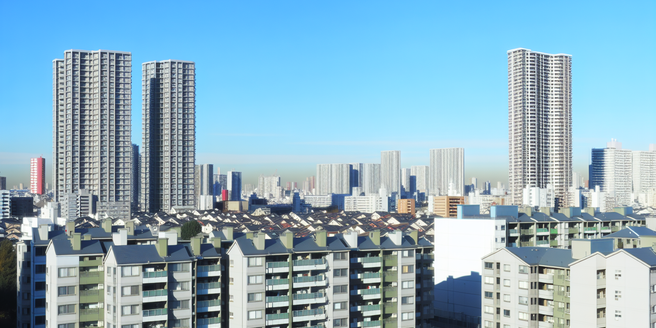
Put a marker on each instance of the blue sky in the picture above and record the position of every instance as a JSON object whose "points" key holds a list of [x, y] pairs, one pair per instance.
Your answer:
{"points": [[285, 85]]}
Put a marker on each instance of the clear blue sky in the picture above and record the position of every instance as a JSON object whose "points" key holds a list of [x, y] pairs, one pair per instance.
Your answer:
{"points": [[285, 85]]}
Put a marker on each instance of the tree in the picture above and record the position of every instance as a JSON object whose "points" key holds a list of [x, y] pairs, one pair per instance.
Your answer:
{"points": [[7, 284], [190, 229]]}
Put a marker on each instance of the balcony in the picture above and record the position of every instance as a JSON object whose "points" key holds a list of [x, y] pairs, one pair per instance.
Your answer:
{"points": [[308, 315], [155, 315], [208, 306], [391, 260], [376, 323], [309, 298], [367, 310], [208, 288], [546, 278], [273, 267], [277, 284], [542, 231], [590, 230], [309, 281], [391, 276], [546, 310], [91, 296], [91, 277], [367, 277], [312, 264], [615, 229], [553, 243], [155, 276], [91, 314], [545, 293], [368, 262], [157, 295], [553, 231], [277, 319], [367, 294], [513, 232], [526, 244], [390, 307], [209, 323], [573, 230], [542, 243], [277, 301], [606, 229], [527, 231], [391, 292], [209, 270]]}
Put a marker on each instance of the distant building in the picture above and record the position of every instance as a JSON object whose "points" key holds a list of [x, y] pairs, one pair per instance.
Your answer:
{"points": [[366, 204], [611, 170], [5, 204], [234, 185], [268, 187], [3, 183], [22, 207], [539, 197], [370, 178], [447, 206], [204, 186], [333, 179], [390, 171], [447, 172], [406, 206], [38, 175], [421, 174], [135, 175]]}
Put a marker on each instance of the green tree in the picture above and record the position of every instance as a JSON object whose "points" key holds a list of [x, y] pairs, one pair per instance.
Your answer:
{"points": [[190, 229], [7, 284]]}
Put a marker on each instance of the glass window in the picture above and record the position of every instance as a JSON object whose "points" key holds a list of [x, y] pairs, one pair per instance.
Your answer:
{"points": [[67, 272], [66, 309], [407, 315], [254, 297], [130, 290], [182, 304], [255, 261], [340, 272], [340, 305], [506, 267], [255, 280], [252, 315], [522, 316], [408, 300], [180, 285], [130, 271], [506, 313], [408, 269], [180, 267], [489, 280], [130, 309], [408, 253], [408, 284], [489, 265], [340, 322], [180, 323], [523, 300], [506, 282], [66, 290], [506, 297], [523, 284], [489, 294], [523, 269], [488, 309], [339, 256], [340, 289], [66, 325]]}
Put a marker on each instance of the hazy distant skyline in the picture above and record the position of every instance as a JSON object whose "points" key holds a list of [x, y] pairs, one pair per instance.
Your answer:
{"points": [[288, 85]]}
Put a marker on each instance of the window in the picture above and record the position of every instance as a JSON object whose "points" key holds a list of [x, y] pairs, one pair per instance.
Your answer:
{"points": [[618, 274], [182, 304], [136, 325], [179, 267], [66, 290], [39, 268], [180, 323], [253, 315], [522, 316], [408, 300], [130, 271], [130, 290], [66, 309], [506, 282], [340, 273], [506, 267], [67, 272], [489, 294], [489, 265], [180, 285], [503, 227], [340, 305], [506, 313], [489, 309], [523, 300], [618, 314], [254, 297], [618, 295], [523, 269], [488, 324], [340, 322], [254, 280], [407, 315], [489, 280], [523, 284], [254, 261], [408, 253], [130, 309], [339, 257], [506, 297], [408, 268], [40, 302], [340, 289], [66, 325], [408, 284]]}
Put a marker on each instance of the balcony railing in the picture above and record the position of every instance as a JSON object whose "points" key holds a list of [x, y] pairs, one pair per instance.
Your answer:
{"points": [[209, 268], [277, 282], [277, 299], [543, 230], [369, 275], [365, 308], [209, 303], [590, 229], [209, 321], [309, 279], [304, 313], [209, 285], [283, 264], [309, 262], [370, 291], [155, 312], [156, 292], [155, 274], [308, 296], [277, 316]]}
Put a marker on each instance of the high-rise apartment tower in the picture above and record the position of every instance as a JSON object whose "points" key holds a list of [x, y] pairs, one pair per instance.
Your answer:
{"points": [[91, 126], [390, 171], [38, 175], [539, 122], [447, 172], [169, 135]]}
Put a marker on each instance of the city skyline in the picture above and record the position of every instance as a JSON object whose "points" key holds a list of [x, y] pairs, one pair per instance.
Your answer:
{"points": [[351, 79]]}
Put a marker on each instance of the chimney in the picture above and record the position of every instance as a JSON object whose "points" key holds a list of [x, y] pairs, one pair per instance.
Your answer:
{"points": [[415, 236], [258, 240], [249, 235], [590, 210], [107, 225], [287, 239], [43, 231], [320, 237], [86, 236], [162, 247], [195, 245], [120, 238], [396, 237], [70, 227], [75, 241], [375, 236], [130, 226], [227, 232], [546, 210], [216, 242]]}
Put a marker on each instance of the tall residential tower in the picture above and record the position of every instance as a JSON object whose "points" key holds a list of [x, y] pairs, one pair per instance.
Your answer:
{"points": [[447, 172], [91, 127], [390, 171], [169, 135], [539, 122], [38, 175]]}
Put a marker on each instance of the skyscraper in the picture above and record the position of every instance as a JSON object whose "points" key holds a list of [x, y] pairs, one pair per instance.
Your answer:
{"points": [[447, 172], [539, 122], [234, 185], [204, 186], [91, 127], [370, 179], [169, 135], [136, 180], [38, 175], [421, 174], [644, 170], [333, 179], [390, 171], [3, 183]]}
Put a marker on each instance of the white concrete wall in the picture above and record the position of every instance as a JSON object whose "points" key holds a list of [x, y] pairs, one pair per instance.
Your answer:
{"points": [[634, 287], [583, 293], [509, 296]]}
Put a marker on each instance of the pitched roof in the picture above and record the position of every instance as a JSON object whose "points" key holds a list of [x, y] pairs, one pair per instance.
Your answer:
{"points": [[543, 256]]}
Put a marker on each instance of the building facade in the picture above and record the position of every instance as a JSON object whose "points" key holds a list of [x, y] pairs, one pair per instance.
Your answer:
{"points": [[333, 179], [234, 185], [169, 135], [447, 172], [135, 189], [38, 175], [611, 170], [539, 122], [390, 171], [92, 125]]}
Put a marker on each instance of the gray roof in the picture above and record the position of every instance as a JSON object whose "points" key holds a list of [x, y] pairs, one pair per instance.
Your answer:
{"points": [[632, 232], [644, 254], [544, 256], [55, 234], [136, 254], [63, 247]]}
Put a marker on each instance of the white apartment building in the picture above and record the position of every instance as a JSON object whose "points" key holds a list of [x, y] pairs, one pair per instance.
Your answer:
{"points": [[644, 174], [169, 135], [92, 125], [5, 204], [390, 171], [447, 172], [333, 179], [612, 170], [370, 179], [269, 187], [421, 174], [366, 204], [539, 122], [204, 186], [539, 197]]}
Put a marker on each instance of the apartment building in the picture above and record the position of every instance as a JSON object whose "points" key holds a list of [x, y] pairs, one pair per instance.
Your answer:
{"points": [[526, 287], [406, 206], [366, 204], [339, 281], [447, 172], [446, 206]]}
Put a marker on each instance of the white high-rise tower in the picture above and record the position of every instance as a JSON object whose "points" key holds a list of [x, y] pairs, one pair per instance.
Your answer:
{"points": [[447, 172], [169, 135], [390, 171], [91, 127], [539, 122]]}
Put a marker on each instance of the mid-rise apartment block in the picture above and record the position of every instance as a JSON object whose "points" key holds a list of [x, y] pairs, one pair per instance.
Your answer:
{"points": [[169, 135], [366, 204], [406, 206], [446, 206], [92, 125]]}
